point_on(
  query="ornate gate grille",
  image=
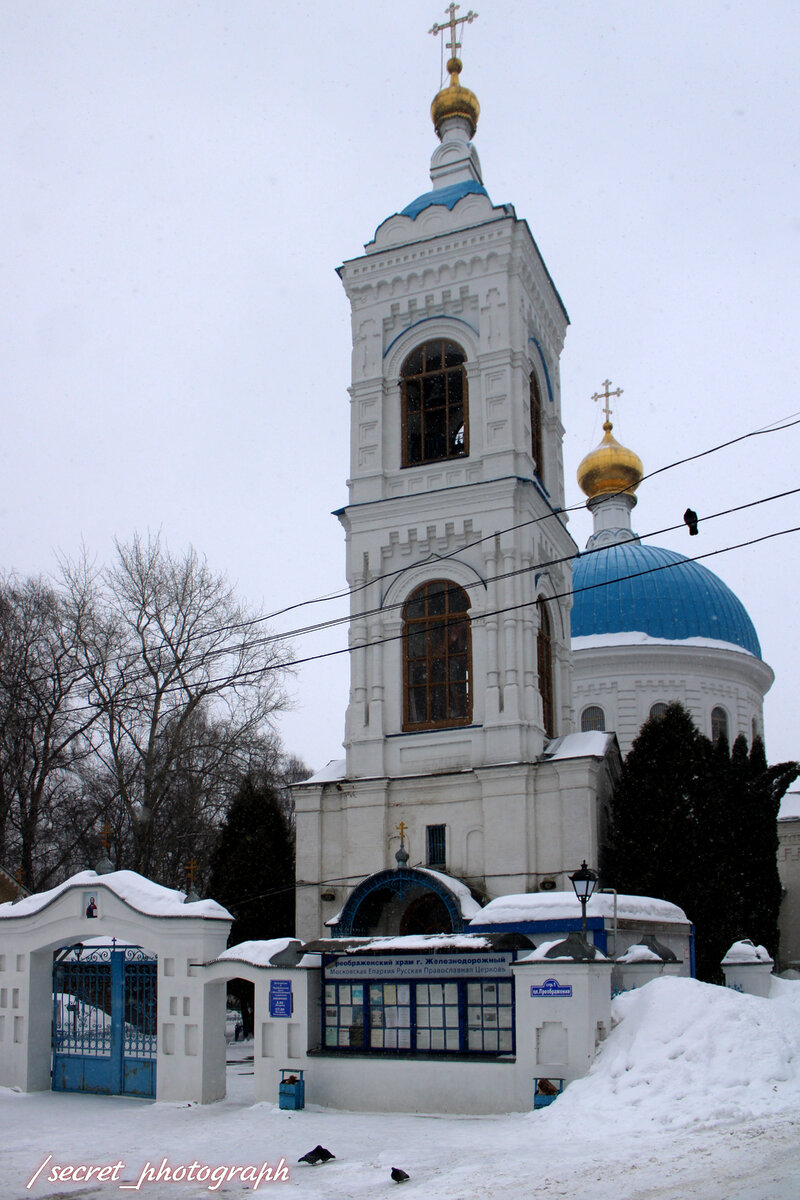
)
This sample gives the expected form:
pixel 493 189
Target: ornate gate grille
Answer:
pixel 104 1021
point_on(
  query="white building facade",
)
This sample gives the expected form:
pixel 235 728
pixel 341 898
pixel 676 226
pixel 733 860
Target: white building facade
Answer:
pixel 458 560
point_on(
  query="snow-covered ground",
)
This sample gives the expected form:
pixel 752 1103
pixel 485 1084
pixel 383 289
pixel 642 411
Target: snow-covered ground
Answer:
pixel 696 1091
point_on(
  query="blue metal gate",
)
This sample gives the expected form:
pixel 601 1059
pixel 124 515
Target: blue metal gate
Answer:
pixel 104 1021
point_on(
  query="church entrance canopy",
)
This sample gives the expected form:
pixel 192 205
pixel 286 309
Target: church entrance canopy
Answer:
pixel 405 901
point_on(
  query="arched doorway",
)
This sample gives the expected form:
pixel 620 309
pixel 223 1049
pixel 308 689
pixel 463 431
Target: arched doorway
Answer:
pixel 402 901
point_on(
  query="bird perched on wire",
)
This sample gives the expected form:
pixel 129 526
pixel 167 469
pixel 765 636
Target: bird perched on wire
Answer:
pixel 691 518
pixel 399 1176
pixel 318 1155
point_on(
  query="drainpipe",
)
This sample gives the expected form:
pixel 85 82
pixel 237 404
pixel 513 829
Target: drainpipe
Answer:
pixel 609 891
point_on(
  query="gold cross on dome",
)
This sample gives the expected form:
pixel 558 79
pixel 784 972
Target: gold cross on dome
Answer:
pixel 106 836
pixel 190 869
pixel 606 395
pixel 401 829
pixel 453 46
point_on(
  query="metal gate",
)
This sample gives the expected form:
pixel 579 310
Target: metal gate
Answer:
pixel 104 1021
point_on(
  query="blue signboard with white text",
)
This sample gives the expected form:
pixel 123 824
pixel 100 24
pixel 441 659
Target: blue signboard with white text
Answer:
pixel 551 988
pixel 280 997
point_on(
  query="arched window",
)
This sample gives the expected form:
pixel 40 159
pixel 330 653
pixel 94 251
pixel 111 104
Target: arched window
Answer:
pixel 544 657
pixel 658 709
pixel 434 402
pixel 593 717
pixel 719 724
pixel 537 450
pixel 436 654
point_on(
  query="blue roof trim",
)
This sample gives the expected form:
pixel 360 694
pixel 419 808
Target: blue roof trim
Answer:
pixel 630 587
pixel 448 196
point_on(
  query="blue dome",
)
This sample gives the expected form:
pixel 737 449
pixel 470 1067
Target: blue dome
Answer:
pixel 629 588
pixel 447 196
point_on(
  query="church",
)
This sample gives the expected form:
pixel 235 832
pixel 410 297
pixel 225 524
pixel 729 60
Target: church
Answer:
pixel 496 671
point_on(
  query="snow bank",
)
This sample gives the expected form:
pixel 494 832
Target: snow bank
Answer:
pixel 141 894
pixel 685 1053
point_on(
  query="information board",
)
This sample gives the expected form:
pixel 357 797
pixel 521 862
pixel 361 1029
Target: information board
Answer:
pixel 280 997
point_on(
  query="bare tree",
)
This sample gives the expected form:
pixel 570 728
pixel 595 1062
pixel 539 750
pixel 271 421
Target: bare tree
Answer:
pixel 45 729
pixel 183 681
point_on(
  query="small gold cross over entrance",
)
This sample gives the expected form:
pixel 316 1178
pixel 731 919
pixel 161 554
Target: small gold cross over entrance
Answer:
pixel 606 395
pixel 401 829
pixel 453 46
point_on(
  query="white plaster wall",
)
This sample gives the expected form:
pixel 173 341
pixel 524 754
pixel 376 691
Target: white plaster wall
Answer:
pixel 789 871
pixel 507 826
pixel 184 1072
pixel 627 680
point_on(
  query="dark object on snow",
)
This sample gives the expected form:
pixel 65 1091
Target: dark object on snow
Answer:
pixel 399 1176
pixel 318 1155
pixel 691 518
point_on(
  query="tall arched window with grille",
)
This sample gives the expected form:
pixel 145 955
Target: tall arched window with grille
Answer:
pixel 719 724
pixel 658 709
pixel 436 657
pixel 544 657
pixel 433 386
pixel 537 445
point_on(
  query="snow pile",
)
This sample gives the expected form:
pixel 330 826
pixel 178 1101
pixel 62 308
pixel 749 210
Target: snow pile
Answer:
pixel 746 952
pixel 685 1053
pixel 139 893
pixel 563 906
pixel 639 953
pixel 542 950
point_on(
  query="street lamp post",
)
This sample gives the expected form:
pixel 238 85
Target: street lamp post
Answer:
pixel 584 882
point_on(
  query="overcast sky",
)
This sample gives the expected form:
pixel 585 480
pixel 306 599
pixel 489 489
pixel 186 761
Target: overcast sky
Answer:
pixel 180 180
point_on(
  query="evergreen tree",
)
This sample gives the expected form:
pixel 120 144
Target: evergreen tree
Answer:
pixel 696 823
pixel 252 873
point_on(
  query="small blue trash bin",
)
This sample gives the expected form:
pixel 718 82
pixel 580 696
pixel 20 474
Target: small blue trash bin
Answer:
pixel 291 1090
pixel 552 1090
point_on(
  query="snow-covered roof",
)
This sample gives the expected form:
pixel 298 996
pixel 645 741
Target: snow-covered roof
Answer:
pixel 563 906
pixel 746 952
pixel 421 942
pixel 135 890
pixel 592 744
pixel 332 771
pixel 790 807
pixel 260 953
pixel 467 903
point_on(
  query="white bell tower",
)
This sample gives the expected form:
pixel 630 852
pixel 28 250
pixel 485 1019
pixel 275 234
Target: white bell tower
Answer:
pixel 458 555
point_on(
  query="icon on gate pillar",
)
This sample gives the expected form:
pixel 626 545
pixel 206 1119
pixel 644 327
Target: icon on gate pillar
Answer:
pixel 91 904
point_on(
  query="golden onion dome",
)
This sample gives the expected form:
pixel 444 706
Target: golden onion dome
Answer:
pixel 610 468
pixel 455 101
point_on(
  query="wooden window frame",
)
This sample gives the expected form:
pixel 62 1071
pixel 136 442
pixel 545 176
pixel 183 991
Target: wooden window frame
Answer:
pixel 428 623
pixel 537 432
pixel 426 348
pixel 544 664
pixel 717 713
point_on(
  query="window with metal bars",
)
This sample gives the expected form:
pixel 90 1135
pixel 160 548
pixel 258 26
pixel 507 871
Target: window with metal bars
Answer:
pixel 593 718
pixel 437 845
pixel 434 403
pixel 436 654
